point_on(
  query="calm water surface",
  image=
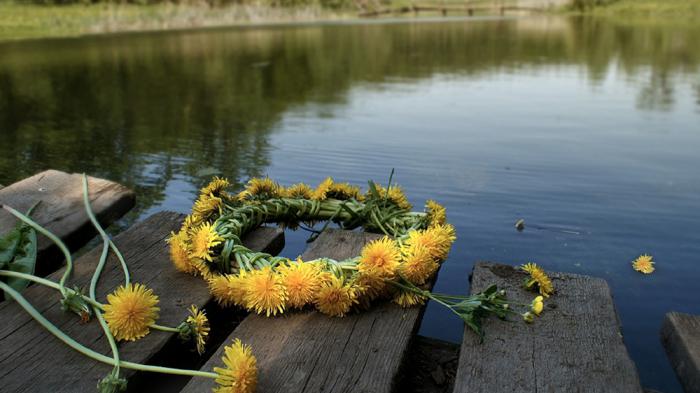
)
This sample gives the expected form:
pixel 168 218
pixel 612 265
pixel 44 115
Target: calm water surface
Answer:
pixel 587 129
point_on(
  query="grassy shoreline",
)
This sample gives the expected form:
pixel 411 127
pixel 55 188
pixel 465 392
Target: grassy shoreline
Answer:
pixel 25 21
pixel 18 22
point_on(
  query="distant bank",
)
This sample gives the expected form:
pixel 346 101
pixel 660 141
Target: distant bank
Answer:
pixel 28 20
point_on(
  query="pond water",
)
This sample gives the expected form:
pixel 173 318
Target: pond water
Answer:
pixel 588 129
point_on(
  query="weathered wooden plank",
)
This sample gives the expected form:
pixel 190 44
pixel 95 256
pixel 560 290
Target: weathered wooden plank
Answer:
pixel 574 346
pixel 62 211
pixel 311 352
pixel 680 334
pixel 27 351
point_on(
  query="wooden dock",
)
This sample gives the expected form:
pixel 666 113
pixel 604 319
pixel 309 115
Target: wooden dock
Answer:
pixel 680 334
pixel 574 346
pixel 61 210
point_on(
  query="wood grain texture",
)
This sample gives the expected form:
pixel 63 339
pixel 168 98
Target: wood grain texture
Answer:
pixel 61 210
pixel 311 352
pixel 574 346
pixel 32 360
pixel 680 334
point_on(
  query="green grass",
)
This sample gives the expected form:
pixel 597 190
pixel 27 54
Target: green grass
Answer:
pixel 651 8
pixel 35 21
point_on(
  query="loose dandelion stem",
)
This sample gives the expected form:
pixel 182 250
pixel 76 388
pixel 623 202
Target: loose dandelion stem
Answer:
pixel 101 231
pixel 98 272
pixel 164 328
pixel 89 352
pixel 99 306
pixel 54 238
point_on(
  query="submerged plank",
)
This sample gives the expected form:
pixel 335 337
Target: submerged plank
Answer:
pixel 61 210
pixel 27 351
pixel 680 334
pixel 574 346
pixel 311 352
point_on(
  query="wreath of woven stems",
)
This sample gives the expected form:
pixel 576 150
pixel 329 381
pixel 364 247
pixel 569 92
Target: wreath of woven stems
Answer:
pixel 393 267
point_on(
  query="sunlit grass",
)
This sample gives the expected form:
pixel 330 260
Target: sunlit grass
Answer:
pixel 652 8
pixel 33 21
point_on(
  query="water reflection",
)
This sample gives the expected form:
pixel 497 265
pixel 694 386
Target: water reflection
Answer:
pixel 580 125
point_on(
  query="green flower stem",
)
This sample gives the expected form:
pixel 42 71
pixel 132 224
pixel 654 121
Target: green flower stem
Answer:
pixel 97 305
pixel 103 234
pixel 53 238
pixel 98 272
pixel 165 328
pixel 89 352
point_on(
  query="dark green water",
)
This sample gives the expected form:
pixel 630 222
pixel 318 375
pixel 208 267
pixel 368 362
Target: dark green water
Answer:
pixel 587 129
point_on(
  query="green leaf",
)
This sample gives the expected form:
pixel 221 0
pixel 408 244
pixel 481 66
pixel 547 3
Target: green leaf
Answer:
pixel 24 261
pixel 9 244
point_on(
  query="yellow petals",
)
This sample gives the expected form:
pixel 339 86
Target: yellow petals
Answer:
pixel 395 195
pixel 228 289
pixel 264 292
pixel 203 239
pixel 537 305
pixel 197 328
pixel 336 297
pixel 437 215
pixel 299 190
pixel 302 281
pixel 216 186
pixel 418 265
pixel 321 192
pixel 206 206
pixel 179 253
pixel 240 374
pixel 539 279
pixel 130 311
pixel 258 188
pixel 381 256
pixel 437 239
pixel 407 299
pixel 644 264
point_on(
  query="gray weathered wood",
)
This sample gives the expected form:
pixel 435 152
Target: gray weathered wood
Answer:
pixel 61 210
pixel 574 346
pixel 680 334
pixel 32 360
pixel 311 352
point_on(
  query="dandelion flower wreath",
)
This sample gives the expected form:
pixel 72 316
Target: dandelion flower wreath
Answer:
pixel 209 245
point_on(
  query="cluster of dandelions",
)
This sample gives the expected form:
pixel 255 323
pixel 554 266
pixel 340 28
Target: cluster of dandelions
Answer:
pixel 537 281
pixel 413 246
pixel 131 312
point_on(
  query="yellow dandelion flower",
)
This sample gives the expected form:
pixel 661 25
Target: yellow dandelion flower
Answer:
pixel 437 214
pixel 644 264
pixel 196 328
pixel 382 256
pixel 537 305
pixel 370 285
pixel 191 222
pixel 437 239
pixel 343 191
pixel 528 317
pixel 261 187
pixel 299 191
pixel 264 292
pixel 539 278
pixel 206 207
pixel 179 253
pixel 395 195
pixel 302 281
pixel 407 299
pixel 240 374
pixel 228 289
pixel 204 238
pixel 335 297
pixel 321 192
pixel 418 264
pixel 216 186
pixel 130 311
